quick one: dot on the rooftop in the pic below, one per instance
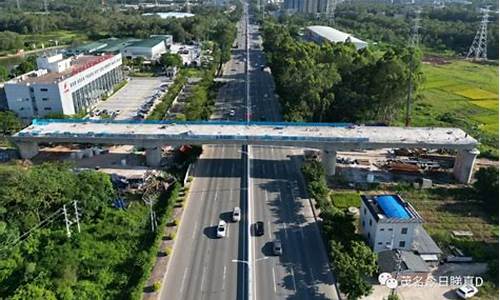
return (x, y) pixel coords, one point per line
(149, 42)
(391, 208)
(78, 64)
(423, 244)
(410, 263)
(336, 36)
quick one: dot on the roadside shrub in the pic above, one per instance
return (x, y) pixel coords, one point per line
(156, 286)
(168, 251)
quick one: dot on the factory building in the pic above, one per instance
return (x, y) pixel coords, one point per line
(320, 34)
(149, 49)
(63, 85)
(388, 222)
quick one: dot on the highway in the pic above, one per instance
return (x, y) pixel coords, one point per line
(279, 200)
(203, 267)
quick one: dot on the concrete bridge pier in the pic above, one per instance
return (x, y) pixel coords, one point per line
(153, 156)
(329, 159)
(27, 150)
(464, 165)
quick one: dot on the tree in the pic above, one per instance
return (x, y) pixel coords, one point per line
(9, 122)
(486, 186)
(4, 73)
(138, 61)
(352, 265)
(171, 60)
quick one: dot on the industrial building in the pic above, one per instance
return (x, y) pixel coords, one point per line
(320, 34)
(388, 222)
(63, 85)
(149, 49)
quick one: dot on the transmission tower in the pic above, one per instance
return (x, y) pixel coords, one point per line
(415, 37)
(478, 49)
(18, 4)
(45, 6)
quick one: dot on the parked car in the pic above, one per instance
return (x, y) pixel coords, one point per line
(236, 214)
(232, 113)
(277, 249)
(221, 229)
(258, 228)
(467, 291)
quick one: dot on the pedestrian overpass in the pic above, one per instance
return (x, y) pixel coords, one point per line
(329, 137)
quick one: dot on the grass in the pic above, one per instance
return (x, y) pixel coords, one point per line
(344, 199)
(447, 209)
(461, 94)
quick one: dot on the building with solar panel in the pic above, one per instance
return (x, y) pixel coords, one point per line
(388, 222)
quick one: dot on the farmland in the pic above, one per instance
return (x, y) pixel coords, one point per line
(461, 94)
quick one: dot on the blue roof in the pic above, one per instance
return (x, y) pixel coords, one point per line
(391, 207)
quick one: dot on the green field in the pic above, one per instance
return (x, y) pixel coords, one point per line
(461, 94)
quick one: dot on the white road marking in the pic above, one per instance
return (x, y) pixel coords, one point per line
(203, 278)
(274, 280)
(183, 280)
(294, 283)
(284, 227)
(195, 231)
(269, 230)
(224, 278)
(312, 276)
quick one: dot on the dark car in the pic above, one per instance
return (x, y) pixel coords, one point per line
(259, 228)
(277, 249)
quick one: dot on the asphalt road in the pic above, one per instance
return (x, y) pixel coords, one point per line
(202, 266)
(279, 200)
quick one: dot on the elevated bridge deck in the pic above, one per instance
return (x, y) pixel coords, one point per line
(324, 135)
(330, 137)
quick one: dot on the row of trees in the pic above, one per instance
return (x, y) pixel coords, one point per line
(351, 258)
(105, 261)
(208, 23)
(335, 82)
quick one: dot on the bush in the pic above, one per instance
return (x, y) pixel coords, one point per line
(168, 251)
(190, 178)
(156, 286)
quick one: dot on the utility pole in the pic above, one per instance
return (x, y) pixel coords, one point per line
(77, 217)
(67, 221)
(413, 45)
(478, 49)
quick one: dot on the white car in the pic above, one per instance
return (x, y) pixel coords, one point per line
(232, 112)
(221, 229)
(236, 214)
(466, 291)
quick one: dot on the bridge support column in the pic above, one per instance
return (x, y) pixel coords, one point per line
(27, 150)
(464, 165)
(329, 159)
(153, 156)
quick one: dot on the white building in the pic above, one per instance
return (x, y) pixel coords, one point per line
(320, 34)
(66, 86)
(149, 49)
(388, 222)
